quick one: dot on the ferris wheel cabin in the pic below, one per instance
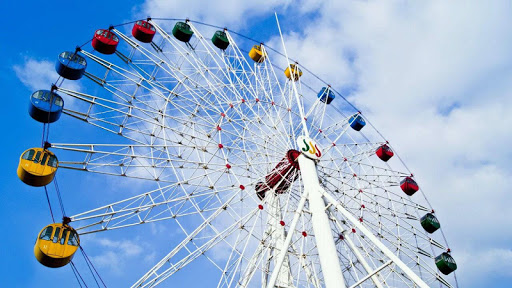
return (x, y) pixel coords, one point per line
(182, 32)
(326, 95)
(37, 167)
(220, 40)
(445, 263)
(105, 41)
(282, 176)
(430, 223)
(409, 186)
(70, 65)
(356, 122)
(293, 72)
(45, 106)
(256, 54)
(384, 152)
(143, 31)
(56, 245)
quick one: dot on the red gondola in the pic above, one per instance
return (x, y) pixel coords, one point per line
(143, 31)
(384, 153)
(282, 176)
(105, 41)
(409, 186)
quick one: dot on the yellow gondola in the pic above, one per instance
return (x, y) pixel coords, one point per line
(295, 71)
(56, 245)
(37, 167)
(256, 54)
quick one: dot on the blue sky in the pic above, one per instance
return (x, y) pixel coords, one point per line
(434, 77)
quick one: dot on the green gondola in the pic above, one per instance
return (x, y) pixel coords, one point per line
(182, 32)
(220, 40)
(445, 263)
(430, 223)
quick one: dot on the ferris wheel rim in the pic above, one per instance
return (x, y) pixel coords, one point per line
(280, 107)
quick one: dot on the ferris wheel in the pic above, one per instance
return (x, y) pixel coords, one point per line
(273, 171)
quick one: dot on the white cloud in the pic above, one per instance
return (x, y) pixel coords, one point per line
(232, 13)
(116, 254)
(40, 75)
(484, 265)
(126, 247)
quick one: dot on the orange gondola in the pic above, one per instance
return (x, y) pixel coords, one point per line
(56, 245)
(37, 167)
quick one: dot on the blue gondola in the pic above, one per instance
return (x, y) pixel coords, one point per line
(45, 106)
(356, 122)
(326, 94)
(70, 65)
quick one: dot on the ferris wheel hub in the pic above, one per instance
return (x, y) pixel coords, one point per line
(309, 148)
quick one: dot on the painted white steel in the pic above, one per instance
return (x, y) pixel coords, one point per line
(358, 254)
(331, 268)
(410, 274)
(286, 245)
(284, 278)
(372, 274)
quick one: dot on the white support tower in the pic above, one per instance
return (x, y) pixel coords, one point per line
(331, 268)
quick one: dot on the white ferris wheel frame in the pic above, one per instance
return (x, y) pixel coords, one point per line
(140, 209)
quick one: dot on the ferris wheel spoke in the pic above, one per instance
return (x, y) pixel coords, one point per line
(159, 273)
(116, 80)
(376, 281)
(198, 67)
(127, 120)
(193, 89)
(396, 260)
(393, 217)
(143, 162)
(260, 80)
(164, 203)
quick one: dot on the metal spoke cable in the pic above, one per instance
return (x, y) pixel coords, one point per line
(90, 265)
(76, 272)
(49, 204)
